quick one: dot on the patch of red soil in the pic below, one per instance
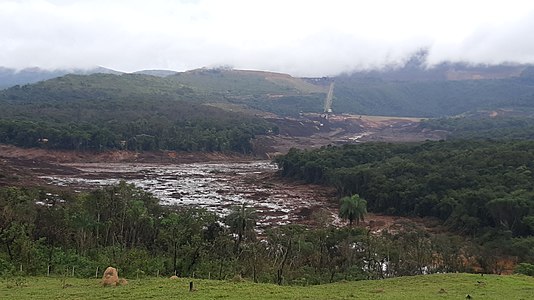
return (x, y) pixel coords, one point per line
(63, 156)
(379, 222)
(23, 166)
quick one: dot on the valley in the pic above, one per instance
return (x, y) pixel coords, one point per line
(176, 172)
(266, 150)
(215, 186)
(196, 180)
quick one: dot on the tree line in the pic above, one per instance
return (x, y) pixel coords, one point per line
(139, 135)
(484, 127)
(124, 226)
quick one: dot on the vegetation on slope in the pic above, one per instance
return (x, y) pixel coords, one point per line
(191, 110)
(241, 83)
(135, 112)
(372, 96)
(472, 184)
(123, 226)
(472, 127)
(141, 112)
(272, 92)
(480, 188)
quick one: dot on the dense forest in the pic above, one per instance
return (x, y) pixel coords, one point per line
(518, 127)
(479, 188)
(467, 183)
(64, 233)
(135, 112)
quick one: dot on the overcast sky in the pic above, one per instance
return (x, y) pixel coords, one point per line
(299, 37)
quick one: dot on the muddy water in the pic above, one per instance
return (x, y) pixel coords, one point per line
(214, 186)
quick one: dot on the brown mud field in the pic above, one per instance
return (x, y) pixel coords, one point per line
(212, 181)
(313, 130)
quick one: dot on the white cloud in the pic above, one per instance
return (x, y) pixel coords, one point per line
(305, 38)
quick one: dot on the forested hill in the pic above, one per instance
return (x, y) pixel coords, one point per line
(216, 109)
(431, 98)
(413, 90)
(137, 112)
(265, 91)
(471, 185)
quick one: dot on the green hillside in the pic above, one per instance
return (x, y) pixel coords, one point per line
(511, 127)
(103, 87)
(188, 111)
(201, 86)
(240, 83)
(216, 109)
(439, 286)
(136, 112)
(271, 92)
(373, 96)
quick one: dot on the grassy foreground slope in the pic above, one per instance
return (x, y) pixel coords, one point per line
(439, 286)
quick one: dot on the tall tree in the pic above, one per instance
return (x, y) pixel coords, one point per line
(242, 221)
(353, 208)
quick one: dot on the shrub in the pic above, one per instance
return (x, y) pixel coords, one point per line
(525, 269)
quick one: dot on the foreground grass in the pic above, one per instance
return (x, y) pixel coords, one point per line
(441, 286)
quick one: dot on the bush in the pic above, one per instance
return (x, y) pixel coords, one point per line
(6, 267)
(525, 269)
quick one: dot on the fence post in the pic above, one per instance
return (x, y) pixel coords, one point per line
(48, 271)
(96, 273)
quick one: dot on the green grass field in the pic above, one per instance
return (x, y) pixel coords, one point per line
(441, 286)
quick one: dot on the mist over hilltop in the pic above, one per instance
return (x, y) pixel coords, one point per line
(301, 38)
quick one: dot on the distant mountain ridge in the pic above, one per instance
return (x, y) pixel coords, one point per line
(445, 71)
(411, 90)
(416, 69)
(11, 77)
(157, 73)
